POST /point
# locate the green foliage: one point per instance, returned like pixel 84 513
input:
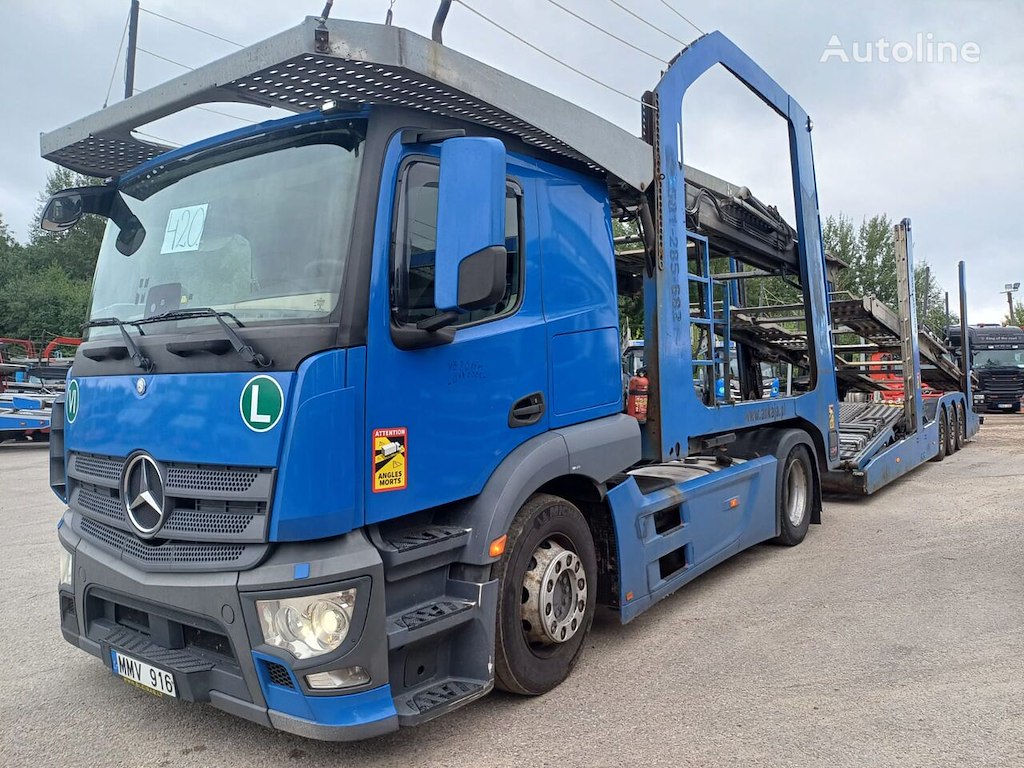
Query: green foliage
pixel 870 254
pixel 1018 315
pixel 631 305
pixel 43 303
pixel 45 285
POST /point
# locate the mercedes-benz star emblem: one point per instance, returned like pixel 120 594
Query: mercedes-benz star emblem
pixel 142 493
pixel 140 385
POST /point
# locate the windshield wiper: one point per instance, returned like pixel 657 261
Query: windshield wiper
pixel 245 351
pixel 139 359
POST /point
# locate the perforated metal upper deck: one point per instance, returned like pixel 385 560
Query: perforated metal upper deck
pixel 359 64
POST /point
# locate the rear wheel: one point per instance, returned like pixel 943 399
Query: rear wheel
pixel 952 444
pixel 943 420
pixel 794 496
pixel 961 423
pixel 546 598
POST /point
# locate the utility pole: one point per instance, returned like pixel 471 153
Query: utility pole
pixel 133 39
pixel 1009 289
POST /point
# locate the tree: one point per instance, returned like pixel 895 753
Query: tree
pixel 45 285
pixel 40 304
pixel 10 256
pixel 870 254
pixel 1018 315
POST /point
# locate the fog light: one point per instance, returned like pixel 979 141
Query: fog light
pixel 65 567
pixel 338 678
pixel 307 626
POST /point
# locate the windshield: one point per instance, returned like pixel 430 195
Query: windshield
pixel 984 358
pixel 260 231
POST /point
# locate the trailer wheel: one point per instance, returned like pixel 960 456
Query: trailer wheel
pixel 794 496
pixel 546 597
pixel 943 419
pixel 952 443
pixel 961 433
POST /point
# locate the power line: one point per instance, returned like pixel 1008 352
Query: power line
pixel 166 142
pixel 542 52
pixel 642 20
pixel 117 58
pixel 606 32
pixel 677 13
pixel 218 112
pixel 194 29
pixel 140 49
pixel 225 114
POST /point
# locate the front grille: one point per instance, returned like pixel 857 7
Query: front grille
pixel 278 674
pixel 219 480
pixel 99 501
pixel 208 503
pixel 98 466
pixel 1011 383
pixel 188 521
pixel 171 555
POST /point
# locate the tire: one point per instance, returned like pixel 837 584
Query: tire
pixel 943 419
pixel 794 496
pixel 952 444
pixel 1015 408
pixel 961 423
pixel 549 539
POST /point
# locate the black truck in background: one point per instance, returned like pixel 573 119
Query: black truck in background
pixel 998 354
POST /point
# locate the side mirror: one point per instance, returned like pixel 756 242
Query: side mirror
pixel 470 261
pixel 63 210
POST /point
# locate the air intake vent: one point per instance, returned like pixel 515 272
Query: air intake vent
pixel 278 674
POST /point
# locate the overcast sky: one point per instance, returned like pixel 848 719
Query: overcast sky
pixel 937 142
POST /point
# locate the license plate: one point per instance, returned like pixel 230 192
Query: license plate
pixel 143 675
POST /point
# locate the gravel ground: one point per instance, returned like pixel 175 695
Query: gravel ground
pixel 890 637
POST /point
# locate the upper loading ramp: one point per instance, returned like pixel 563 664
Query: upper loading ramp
pixel 362 64
pixel 867 318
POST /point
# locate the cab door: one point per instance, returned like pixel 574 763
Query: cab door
pixel 441 417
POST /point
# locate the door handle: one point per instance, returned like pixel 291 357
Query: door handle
pixel 526 410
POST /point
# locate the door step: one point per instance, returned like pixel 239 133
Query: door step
pixel 437 698
pixel 428 619
pixel 415 550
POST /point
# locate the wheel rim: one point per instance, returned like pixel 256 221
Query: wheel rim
pixel 796 494
pixel 554 598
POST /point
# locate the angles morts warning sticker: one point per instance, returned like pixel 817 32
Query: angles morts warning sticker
pixel 390 459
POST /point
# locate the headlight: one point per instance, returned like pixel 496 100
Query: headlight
pixel 307 626
pixel 65 567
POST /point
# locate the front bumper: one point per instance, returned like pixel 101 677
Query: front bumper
pixel 202 628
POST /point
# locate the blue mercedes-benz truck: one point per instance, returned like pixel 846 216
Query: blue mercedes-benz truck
pixel 344 446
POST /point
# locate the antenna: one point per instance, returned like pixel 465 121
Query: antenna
pixel 442 14
pixel 133 40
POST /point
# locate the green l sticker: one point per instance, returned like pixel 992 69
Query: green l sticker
pixel 71 400
pixel 261 404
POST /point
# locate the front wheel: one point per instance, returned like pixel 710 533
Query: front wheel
pixel 546 598
pixel 794 497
